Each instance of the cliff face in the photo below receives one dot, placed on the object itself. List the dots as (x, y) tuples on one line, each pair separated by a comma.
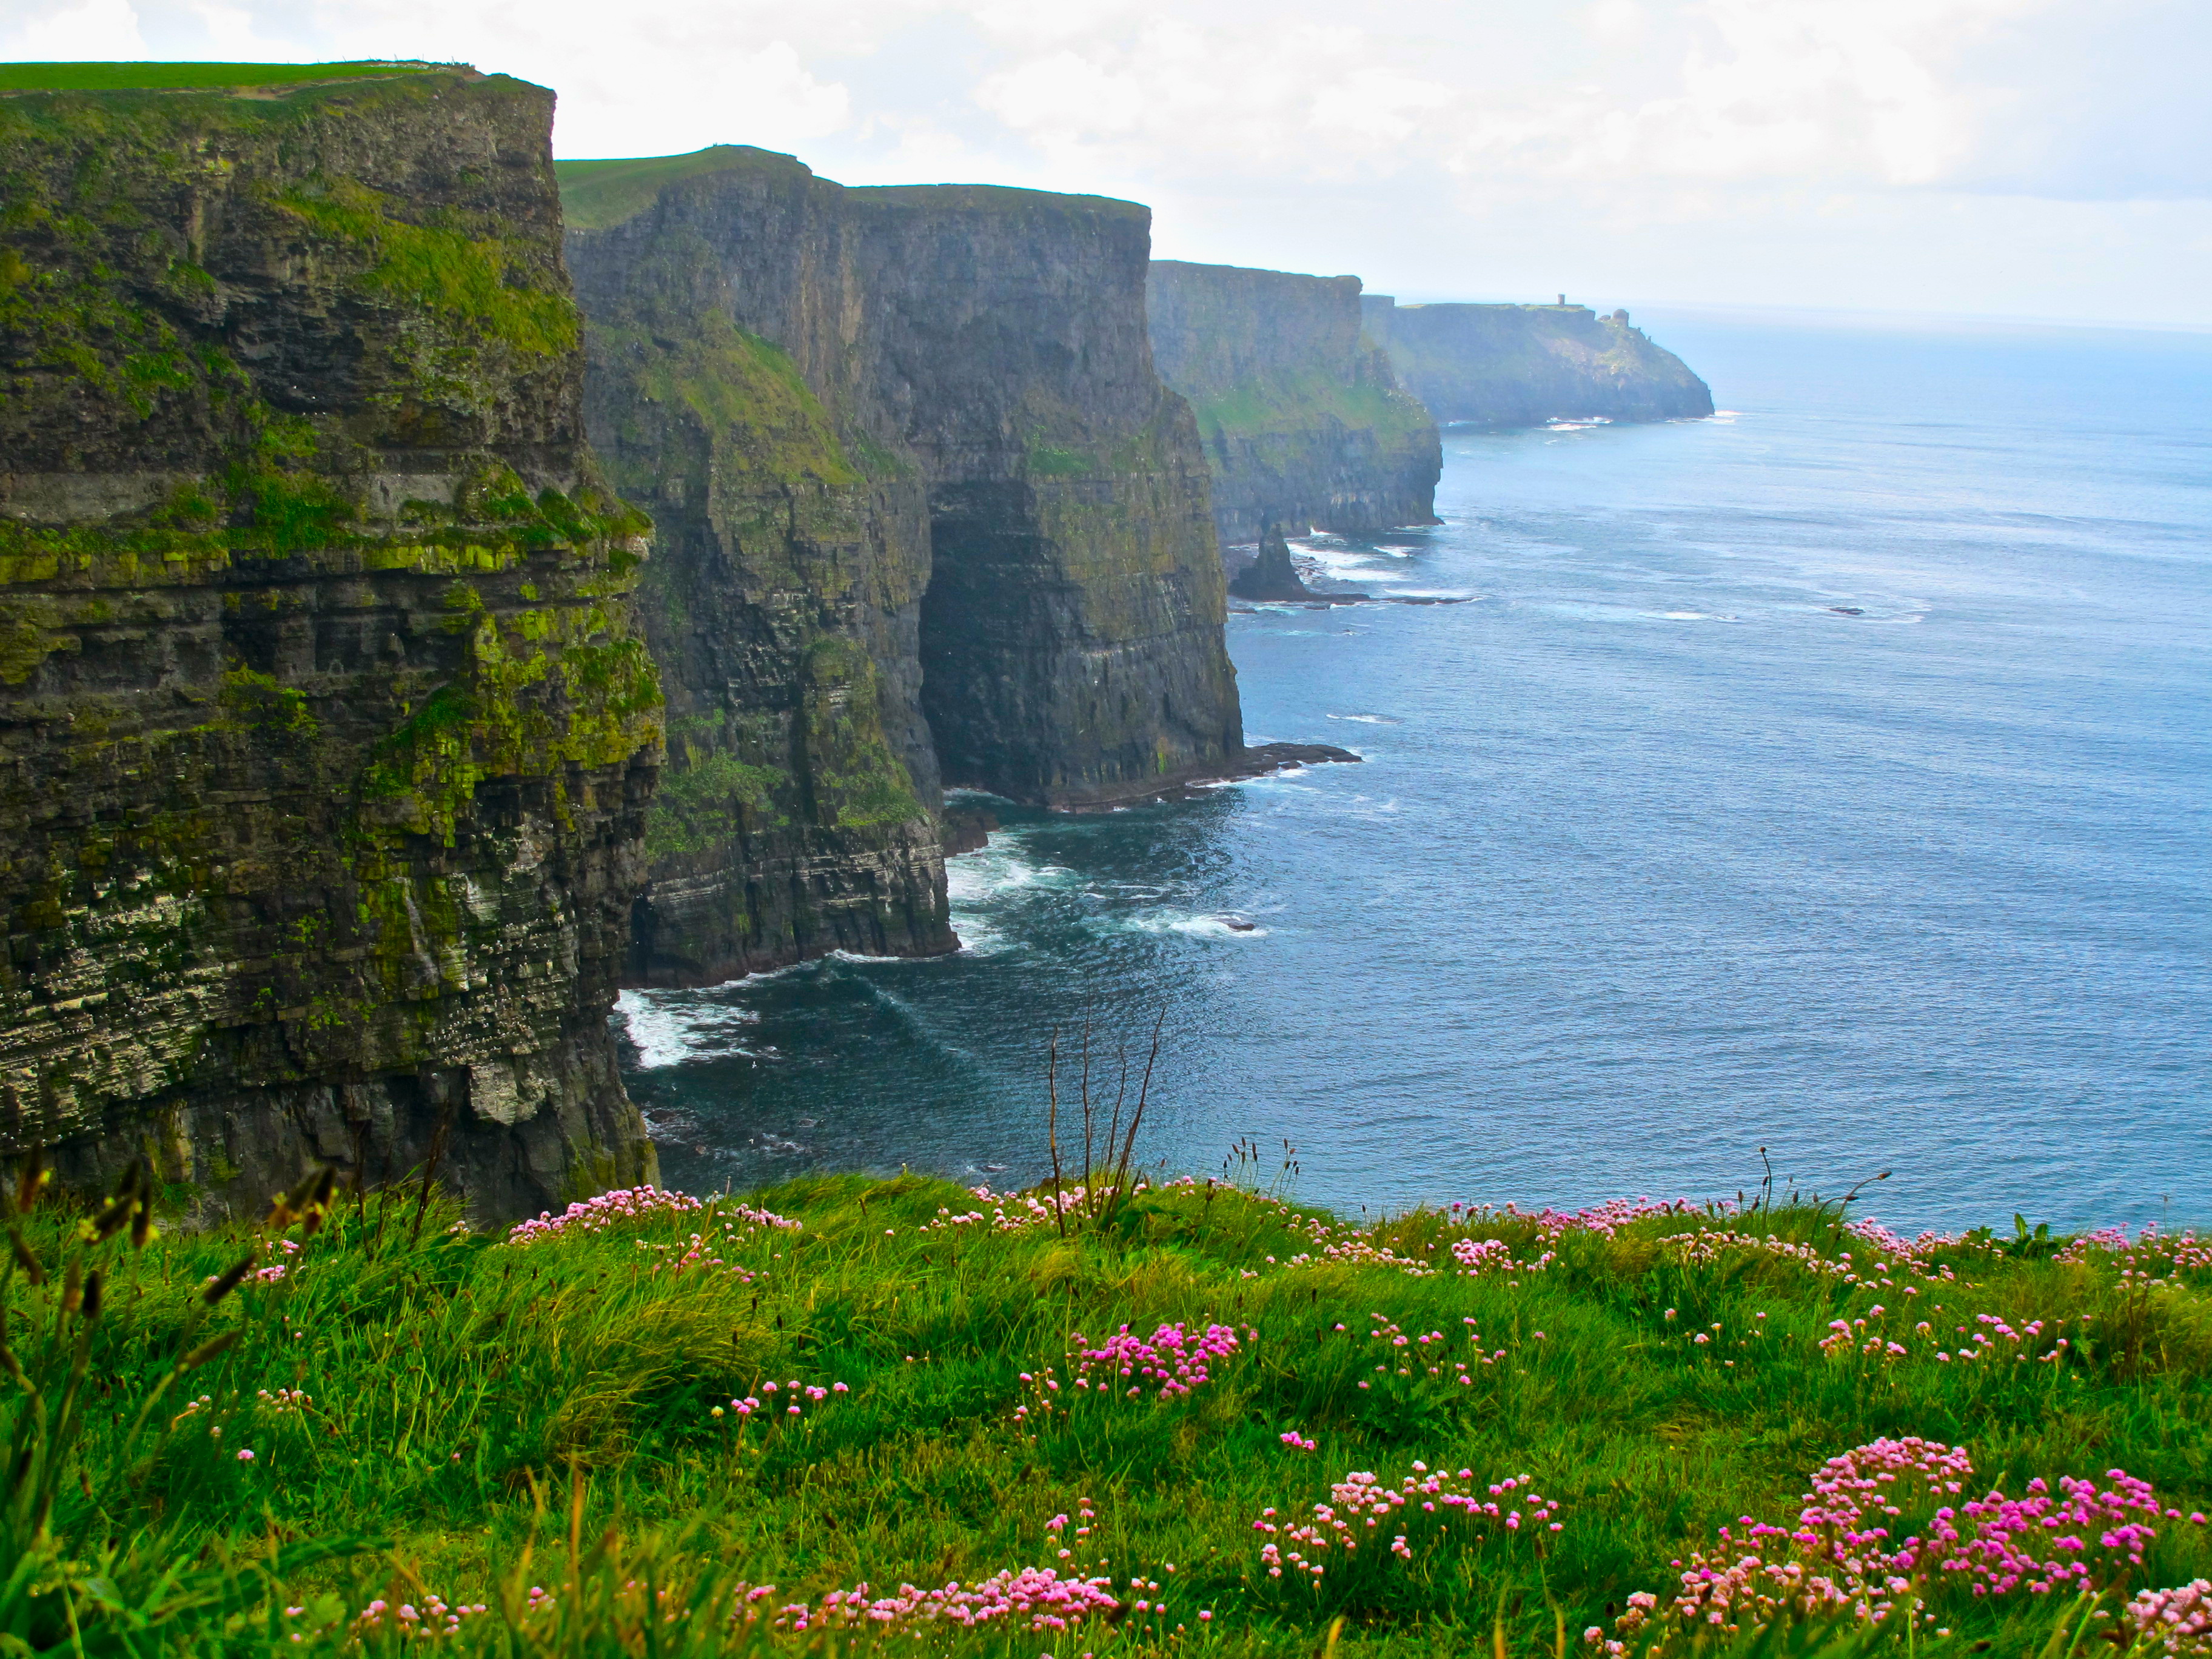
[(927, 515), (1302, 418), (1071, 633), (784, 600), (1525, 365), (325, 736)]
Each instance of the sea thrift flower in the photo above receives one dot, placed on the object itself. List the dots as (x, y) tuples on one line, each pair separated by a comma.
[(1432, 1510)]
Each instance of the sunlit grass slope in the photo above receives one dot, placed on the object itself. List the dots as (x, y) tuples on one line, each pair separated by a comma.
[(164, 77), (1181, 1419)]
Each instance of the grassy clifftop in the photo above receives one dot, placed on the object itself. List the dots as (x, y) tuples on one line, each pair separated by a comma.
[(1189, 1418), (164, 77)]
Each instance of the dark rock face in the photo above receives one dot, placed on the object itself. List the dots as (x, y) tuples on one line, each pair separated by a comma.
[(326, 739), (1302, 417), (1272, 575), (784, 600), (1071, 633), (1524, 364), (928, 517)]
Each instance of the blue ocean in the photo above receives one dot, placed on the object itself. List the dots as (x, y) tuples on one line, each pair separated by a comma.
[(1829, 777)]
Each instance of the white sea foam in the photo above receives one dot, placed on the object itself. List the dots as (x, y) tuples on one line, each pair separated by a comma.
[(1213, 925), (671, 1027), (978, 883), (1004, 867), (1368, 720)]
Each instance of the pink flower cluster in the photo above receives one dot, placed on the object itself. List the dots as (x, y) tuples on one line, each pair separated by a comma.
[(630, 1206), (1850, 1548), (782, 1400), (1171, 1357), (1605, 1219), (1999, 1554), (1359, 1504), (1032, 1598), (1478, 1255), (2178, 1621), (433, 1617)]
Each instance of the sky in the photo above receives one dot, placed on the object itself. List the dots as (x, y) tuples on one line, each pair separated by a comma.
[(2020, 158)]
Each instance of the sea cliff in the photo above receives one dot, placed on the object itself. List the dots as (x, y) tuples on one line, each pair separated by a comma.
[(1509, 365), (797, 814), (928, 516), (1303, 420), (327, 738)]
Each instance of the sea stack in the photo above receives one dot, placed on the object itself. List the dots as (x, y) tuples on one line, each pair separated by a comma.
[(1272, 575)]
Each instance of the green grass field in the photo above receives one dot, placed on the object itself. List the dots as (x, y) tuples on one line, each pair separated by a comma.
[(370, 1429), (165, 77)]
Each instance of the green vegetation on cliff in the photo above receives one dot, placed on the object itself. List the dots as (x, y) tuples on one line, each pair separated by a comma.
[(326, 728), (595, 195), (1289, 402), (1300, 418), (1186, 1418), (165, 77), (1507, 365)]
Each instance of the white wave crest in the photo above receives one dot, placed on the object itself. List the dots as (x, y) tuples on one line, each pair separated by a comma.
[(671, 1027)]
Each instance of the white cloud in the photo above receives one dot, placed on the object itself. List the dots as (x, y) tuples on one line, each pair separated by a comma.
[(1611, 137), (90, 28)]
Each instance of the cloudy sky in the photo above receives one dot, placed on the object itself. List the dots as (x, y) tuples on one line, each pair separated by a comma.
[(2044, 158)]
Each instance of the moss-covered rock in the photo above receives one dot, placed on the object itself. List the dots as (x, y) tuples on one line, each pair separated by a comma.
[(1303, 421), (327, 736)]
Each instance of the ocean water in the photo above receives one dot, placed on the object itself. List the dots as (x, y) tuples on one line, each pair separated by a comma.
[(1831, 776)]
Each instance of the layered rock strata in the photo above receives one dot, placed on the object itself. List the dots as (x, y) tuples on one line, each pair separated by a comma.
[(796, 816), (325, 738), (927, 517), (1302, 418), (1507, 365)]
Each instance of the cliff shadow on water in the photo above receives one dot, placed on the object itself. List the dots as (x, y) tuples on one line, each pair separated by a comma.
[(327, 736), (928, 516)]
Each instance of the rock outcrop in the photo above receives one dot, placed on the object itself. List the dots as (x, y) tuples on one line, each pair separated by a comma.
[(1302, 418), (1507, 365), (327, 738), (1272, 575), (927, 517)]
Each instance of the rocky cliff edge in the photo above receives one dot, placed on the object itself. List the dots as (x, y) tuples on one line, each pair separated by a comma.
[(324, 735)]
